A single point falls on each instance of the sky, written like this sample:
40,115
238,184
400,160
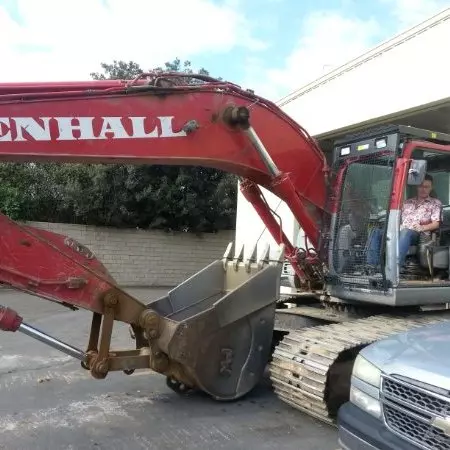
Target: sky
271,46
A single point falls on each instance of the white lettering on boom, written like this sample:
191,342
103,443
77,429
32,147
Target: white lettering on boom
19,129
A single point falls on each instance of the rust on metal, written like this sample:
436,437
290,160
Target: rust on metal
79,248
150,321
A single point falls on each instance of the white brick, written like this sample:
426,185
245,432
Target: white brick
147,257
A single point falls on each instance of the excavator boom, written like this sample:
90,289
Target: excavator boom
224,313
145,124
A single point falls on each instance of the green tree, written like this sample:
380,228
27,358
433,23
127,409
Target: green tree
13,189
118,70
121,70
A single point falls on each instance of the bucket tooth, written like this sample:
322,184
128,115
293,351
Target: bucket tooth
264,258
252,258
239,257
218,324
229,252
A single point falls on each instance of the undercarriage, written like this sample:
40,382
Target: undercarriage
316,345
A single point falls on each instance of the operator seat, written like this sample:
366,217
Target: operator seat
435,254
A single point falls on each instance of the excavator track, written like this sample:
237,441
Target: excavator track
311,368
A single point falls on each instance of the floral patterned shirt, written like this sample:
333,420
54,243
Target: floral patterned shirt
420,212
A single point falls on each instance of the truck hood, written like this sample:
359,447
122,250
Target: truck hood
422,354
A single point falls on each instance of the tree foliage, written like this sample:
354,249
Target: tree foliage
122,70
178,198
118,70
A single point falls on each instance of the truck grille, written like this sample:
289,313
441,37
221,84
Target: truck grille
409,412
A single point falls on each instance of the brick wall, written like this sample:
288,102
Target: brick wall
147,258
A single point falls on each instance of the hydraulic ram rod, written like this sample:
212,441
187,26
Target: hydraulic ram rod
52,342
11,321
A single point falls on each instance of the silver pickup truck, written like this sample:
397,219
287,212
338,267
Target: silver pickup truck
400,393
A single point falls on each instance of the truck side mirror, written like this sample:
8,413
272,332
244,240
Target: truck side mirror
417,171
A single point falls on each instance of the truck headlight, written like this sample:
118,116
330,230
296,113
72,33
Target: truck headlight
365,402
366,371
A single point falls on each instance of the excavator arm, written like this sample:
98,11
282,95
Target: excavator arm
224,314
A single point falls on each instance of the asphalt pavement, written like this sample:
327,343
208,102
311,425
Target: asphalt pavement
49,402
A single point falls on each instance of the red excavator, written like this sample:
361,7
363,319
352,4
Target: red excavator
221,328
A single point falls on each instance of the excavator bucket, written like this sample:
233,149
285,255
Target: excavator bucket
218,324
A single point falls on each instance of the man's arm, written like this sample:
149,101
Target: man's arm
435,218
434,225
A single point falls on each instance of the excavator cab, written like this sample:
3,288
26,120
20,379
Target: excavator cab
374,173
